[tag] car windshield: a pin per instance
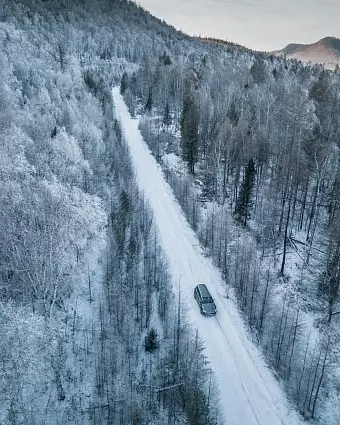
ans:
(207, 300)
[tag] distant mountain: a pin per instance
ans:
(325, 51)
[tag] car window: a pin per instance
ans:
(207, 299)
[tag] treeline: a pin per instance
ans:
(260, 139)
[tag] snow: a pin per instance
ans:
(173, 162)
(249, 393)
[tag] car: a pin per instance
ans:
(204, 300)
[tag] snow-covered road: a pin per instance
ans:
(249, 393)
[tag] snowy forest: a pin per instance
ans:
(92, 331)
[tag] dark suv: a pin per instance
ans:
(204, 300)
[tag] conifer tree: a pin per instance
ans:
(244, 201)
(189, 132)
(167, 115)
(259, 71)
(148, 105)
(124, 83)
(151, 341)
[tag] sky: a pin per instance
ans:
(258, 24)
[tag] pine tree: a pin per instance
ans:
(244, 201)
(54, 132)
(124, 83)
(189, 132)
(319, 91)
(151, 341)
(233, 115)
(167, 115)
(165, 59)
(148, 105)
(259, 71)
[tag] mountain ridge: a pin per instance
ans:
(325, 51)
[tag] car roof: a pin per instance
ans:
(204, 290)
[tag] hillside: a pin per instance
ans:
(95, 326)
(87, 312)
(325, 51)
(249, 145)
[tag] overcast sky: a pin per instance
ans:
(259, 24)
